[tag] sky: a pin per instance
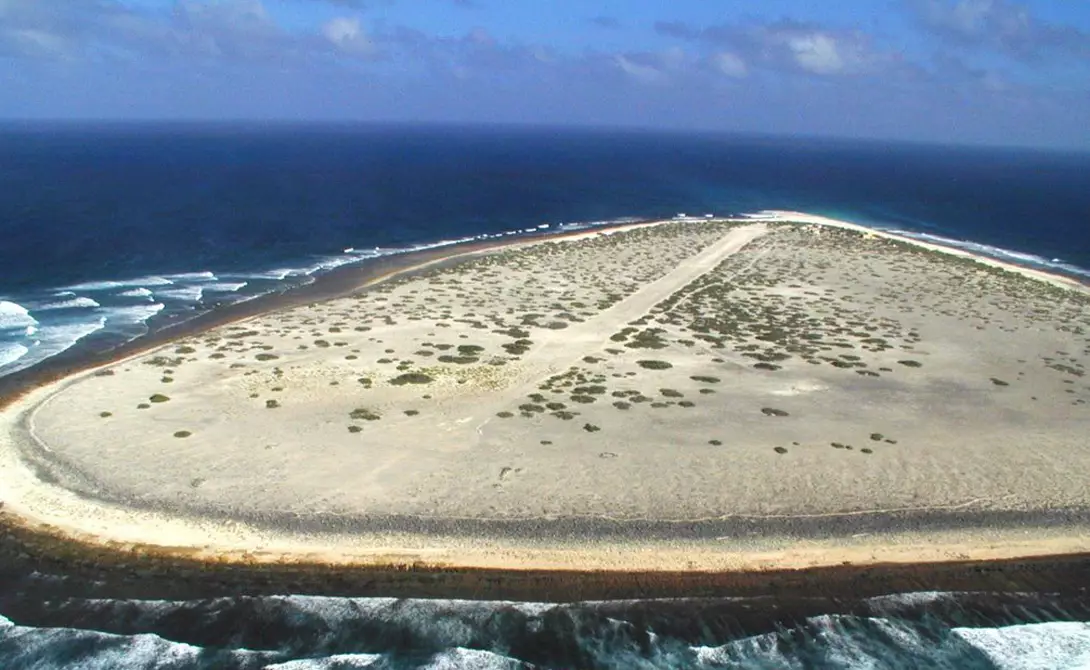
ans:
(1004, 72)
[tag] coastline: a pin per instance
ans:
(233, 543)
(787, 216)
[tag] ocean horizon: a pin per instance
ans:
(115, 232)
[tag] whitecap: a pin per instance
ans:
(1039, 646)
(14, 316)
(109, 285)
(224, 287)
(9, 353)
(72, 303)
(136, 293)
(132, 315)
(192, 277)
(182, 293)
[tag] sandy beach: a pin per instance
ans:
(782, 392)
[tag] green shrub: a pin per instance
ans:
(460, 360)
(182, 433)
(654, 365)
(411, 378)
(158, 397)
(365, 414)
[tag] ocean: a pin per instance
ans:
(112, 233)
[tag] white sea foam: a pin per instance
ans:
(71, 303)
(14, 316)
(181, 293)
(192, 277)
(110, 285)
(1039, 646)
(224, 287)
(11, 352)
(48, 340)
(1016, 257)
(338, 661)
(132, 314)
(136, 293)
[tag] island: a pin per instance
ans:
(779, 391)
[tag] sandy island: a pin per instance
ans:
(777, 392)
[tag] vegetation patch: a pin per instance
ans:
(591, 428)
(365, 414)
(704, 379)
(182, 433)
(158, 397)
(771, 411)
(460, 360)
(911, 364)
(654, 365)
(411, 378)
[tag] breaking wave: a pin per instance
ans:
(326, 632)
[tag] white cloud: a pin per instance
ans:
(817, 53)
(644, 73)
(730, 64)
(347, 35)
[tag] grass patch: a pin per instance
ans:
(158, 397)
(105, 415)
(654, 365)
(705, 379)
(272, 404)
(365, 414)
(591, 428)
(182, 433)
(771, 411)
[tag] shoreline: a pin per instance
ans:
(246, 534)
(788, 216)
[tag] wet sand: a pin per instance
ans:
(712, 396)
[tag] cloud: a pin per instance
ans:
(785, 45)
(730, 64)
(348, 36)
(998, 25)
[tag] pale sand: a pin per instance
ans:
(950, 439)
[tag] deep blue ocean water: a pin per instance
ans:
(107, 232)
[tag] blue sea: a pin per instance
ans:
(111, 232)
